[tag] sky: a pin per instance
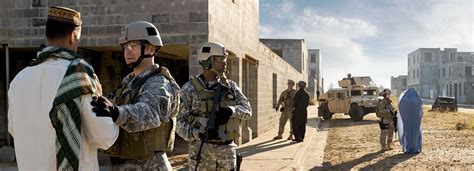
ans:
(369, 37)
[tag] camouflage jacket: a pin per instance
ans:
(156, 100)
(286, 99)
(385, 108)
(190, 103)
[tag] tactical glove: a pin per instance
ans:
(104, 108)
(282, 109)
(223, 116)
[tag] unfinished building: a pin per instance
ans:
(398, 84)
(183, 25)
(315, 79)
(435, 72)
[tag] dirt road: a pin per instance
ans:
(355, 145)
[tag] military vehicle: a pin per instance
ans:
(355, 97)
(445, 104)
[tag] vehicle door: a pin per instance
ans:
(342, 98)
(332, 105)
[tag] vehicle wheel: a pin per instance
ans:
(356, 113)
(324, 111)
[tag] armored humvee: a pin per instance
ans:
(355, 97)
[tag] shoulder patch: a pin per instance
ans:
(163, 106)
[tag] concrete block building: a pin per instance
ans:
(293, 51)
(398, 84)
(435, 72)
(456, 76)
(184, 25)
(315, 72)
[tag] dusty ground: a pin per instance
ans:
(448, 143)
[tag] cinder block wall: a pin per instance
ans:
(236, 24)
(179, 21)
(291, 48)
(269, 64)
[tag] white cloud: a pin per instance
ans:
(264, 30)
(280, 10)
(335, 36)
(286, 7)
(311, 21)
(448, 24)
(365, 38)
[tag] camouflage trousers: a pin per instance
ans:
(158, 162)
(386, 135)
(285, 116)
(213, 157)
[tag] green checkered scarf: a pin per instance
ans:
(65, 115)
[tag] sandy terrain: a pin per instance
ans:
(448, 143)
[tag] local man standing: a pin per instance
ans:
(49, 114)
(300, 114)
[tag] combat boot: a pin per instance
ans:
(382, 148)
(290, 137)
(388, 147)
(278, 137)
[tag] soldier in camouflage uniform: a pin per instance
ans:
(219, 153)
(386, 112)
(286, 99)
(144, 105)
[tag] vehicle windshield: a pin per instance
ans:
(445, 100)
(369, 92)
(356, 93)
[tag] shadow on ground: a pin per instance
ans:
(347, 122)
(385, 164)
(350, 164)
(263, 147)
(389, 162)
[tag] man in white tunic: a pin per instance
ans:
(50, 115)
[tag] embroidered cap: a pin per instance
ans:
(64, 15)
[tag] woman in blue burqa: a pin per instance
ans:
(409, 121)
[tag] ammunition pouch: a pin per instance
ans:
(142, 145)
(228, 131)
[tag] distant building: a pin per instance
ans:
(435, 72)
(314, 72)
(398, 84)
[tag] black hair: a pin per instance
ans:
(57, 30)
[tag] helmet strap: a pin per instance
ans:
(140, 59)
(206, 64)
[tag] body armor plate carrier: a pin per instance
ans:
(142, 145)
(228, 131)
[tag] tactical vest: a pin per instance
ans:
(289, 100)
(381, 111)
(142, 145)
(230, 130)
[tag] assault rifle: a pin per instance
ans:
(221, 90)
(395, 120)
